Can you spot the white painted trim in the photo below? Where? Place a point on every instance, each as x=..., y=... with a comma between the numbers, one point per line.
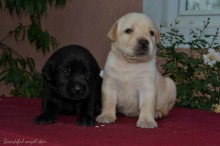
x=165, y=12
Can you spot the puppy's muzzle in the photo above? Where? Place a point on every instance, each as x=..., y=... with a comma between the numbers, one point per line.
x=142, y=47
x=77, y=88
x=143, y=43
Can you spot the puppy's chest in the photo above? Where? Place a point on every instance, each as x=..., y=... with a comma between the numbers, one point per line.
x=128, y=101
x=128, y=80
x=128, y=85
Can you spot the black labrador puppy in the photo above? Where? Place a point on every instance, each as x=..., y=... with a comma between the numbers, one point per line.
x=71, y=85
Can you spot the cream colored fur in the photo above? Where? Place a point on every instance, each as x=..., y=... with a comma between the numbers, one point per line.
x=131, y=83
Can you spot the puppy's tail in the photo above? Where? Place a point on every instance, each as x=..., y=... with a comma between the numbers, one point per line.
x=172, y=92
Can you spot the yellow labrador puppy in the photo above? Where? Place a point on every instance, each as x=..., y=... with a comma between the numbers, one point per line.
x=131, y=83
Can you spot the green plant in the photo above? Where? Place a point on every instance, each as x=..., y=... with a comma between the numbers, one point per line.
x=14, y=68
x=196, y=69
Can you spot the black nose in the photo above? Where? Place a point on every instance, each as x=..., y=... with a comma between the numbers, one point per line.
x=143, y=44
x=77, y=88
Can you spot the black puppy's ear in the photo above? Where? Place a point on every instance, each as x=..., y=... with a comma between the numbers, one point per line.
x=46, y=71
x=97, y=72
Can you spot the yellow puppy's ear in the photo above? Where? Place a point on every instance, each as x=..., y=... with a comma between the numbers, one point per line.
x=112, y=34
x=157, y=36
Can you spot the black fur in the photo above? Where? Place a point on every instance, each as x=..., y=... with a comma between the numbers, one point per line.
x=71, y=85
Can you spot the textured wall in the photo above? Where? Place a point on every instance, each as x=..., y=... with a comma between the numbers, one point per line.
x=83, y=22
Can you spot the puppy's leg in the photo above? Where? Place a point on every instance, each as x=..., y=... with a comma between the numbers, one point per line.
x=49, y=113
x=87, y=110
x=172, y=93
x=147, y=103
x=166, y=97
x=109, y=101
x=86, y=113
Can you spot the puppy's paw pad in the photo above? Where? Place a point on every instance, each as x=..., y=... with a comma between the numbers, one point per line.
x=146, y=124
x=106, y=118
x=158, y=115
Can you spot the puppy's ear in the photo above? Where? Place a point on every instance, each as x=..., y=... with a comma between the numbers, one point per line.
x=112, y=34
x=46, y=71
x=96, y=70
x=157, y=35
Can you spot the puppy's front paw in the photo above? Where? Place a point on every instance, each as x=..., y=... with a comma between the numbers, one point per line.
x=146, y=124
x=104, y=118
x=44, y=119
x=86, y=121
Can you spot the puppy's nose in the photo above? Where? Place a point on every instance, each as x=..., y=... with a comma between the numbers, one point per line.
x=143, y=43
x=77, y=88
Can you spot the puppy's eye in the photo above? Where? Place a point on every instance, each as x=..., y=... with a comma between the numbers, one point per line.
x=87, y=74
x=152, y=33
x=66, y=71
x=129, y=31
